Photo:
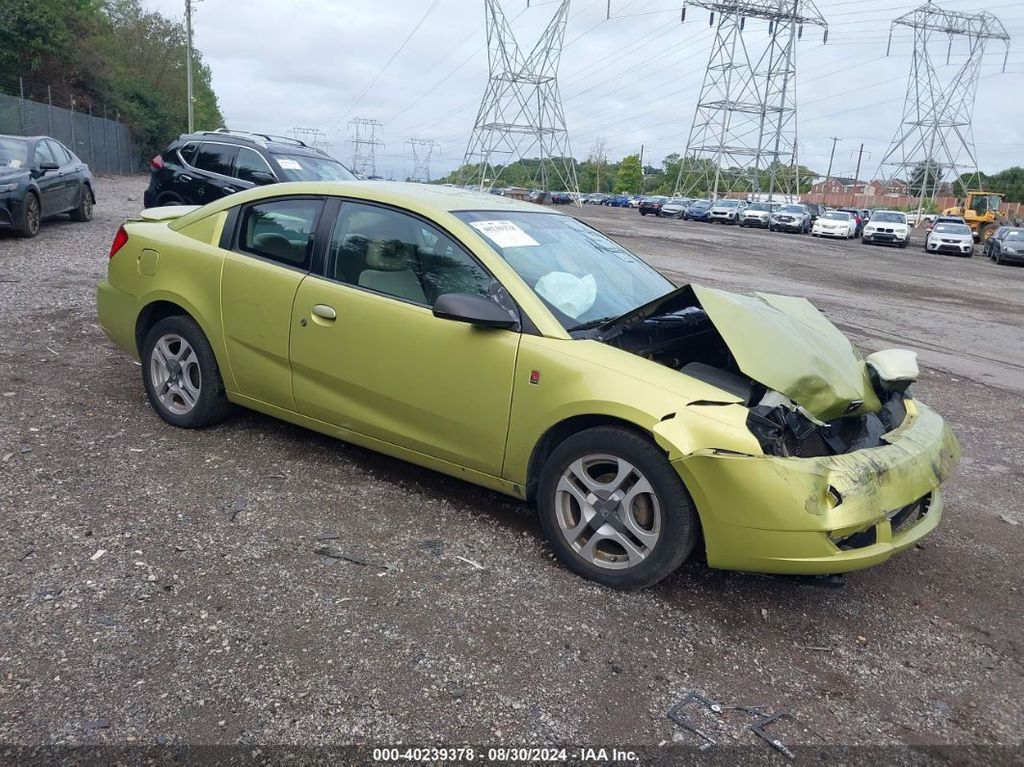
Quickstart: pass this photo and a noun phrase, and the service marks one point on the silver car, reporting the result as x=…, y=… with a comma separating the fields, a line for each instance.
x=727, y=211
x=675, y=207
x=950, y=238
x=758, y=214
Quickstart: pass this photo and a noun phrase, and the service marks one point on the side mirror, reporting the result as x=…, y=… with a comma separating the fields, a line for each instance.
x=473, y=309
x=261, y=178
x=45, y=166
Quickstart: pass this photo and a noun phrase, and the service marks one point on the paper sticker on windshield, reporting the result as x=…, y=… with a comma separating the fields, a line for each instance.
x=287, y=164
x=504, y=234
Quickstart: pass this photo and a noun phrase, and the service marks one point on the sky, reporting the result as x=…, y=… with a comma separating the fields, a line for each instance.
x=420, y=68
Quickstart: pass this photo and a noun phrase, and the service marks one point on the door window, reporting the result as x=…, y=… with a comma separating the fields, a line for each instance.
x=60, y=155
x=281, y=230
x=215, y=158
x=399, y=255
x=42, y=154
x=250, y=162
x=188, y=152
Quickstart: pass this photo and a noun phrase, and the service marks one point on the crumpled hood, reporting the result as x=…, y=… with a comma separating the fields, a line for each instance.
x=786, y=344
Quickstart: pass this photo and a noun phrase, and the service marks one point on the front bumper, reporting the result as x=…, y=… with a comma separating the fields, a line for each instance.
x=788, y=226
x=10, y=211
x=722, y=218
x=843, y=233
x=885, y=238
x=754, y=221
x=805, y=516
x=955, y=249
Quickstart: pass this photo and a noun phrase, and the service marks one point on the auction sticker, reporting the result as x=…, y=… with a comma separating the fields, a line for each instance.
x=504, y=234
x=288, y=164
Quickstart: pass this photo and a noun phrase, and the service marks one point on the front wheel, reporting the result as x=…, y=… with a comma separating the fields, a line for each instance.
x=31, y=216
x=181, y=376
x=614, y=510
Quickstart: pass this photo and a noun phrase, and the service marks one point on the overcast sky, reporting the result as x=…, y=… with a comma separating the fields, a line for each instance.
x=320, y=63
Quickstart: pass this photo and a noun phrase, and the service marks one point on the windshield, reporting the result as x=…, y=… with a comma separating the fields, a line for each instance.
x=837, y=215
x=760, y=206
x=889, y=218
x=580, y=274
x=952, y=229
x=300, y=167
x=727, y=203
x=13, y=153
x=793, y=209
x=1014, y=234
x=701, y=204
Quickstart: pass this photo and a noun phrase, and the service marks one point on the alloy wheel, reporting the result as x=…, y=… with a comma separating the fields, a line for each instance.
x=32, y=214
x=87, y=203
x=175, y=373
x=608, y=511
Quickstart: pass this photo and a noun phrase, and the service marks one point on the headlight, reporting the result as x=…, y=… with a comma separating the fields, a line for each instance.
x=7, y=188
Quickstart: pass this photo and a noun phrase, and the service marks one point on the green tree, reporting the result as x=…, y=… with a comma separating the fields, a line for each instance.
x=924, y=178
x=630, y=175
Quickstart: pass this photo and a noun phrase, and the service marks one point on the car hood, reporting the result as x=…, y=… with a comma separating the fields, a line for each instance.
x=7, y=175
x=781, y=342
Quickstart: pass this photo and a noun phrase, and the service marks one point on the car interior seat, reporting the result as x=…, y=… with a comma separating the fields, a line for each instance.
x=388, y=270
x=278, y=246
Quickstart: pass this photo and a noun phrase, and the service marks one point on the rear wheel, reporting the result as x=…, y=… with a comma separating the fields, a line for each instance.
x=31, y=216
x=84, y=210
x=181, y=376
x=614, y=510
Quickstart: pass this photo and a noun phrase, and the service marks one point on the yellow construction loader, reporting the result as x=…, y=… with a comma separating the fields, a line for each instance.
x=981, y=212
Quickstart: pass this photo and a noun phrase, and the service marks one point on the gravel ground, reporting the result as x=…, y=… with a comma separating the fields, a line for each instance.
x=162, y=586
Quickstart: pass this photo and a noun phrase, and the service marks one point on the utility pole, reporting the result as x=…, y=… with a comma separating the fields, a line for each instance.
x=188, y=60
x=521, y=111
x=745, y=122
x=828, y=174
x=935, y=131
x=856, y=173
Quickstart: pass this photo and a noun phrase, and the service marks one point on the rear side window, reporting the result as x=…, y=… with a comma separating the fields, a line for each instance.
x=188, y=152
x=281, y=230
x=215, y=158
x=60, y=155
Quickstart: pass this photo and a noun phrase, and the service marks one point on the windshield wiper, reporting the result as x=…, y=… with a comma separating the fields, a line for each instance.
x=590, y=325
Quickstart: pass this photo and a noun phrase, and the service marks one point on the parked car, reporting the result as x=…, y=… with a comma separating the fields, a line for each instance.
x=791, y=218
x=987, y=246
x=634, y=201
x=857, y=217
x=201, y=167
x=372, y=313
x=698, y=210
x=1007, y=245
x=540, y=197
x=758, y=214
x=595, y=198
x=674, y=207
x=887, y=227
x=727, y=211
x=814, y=210
x=651, y=205
x=618, y=201
x=946, y=237
x=41, y=178
x=835, y=223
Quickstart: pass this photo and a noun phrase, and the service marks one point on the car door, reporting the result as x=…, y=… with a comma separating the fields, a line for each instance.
x=49, y=181
x=368, y=354
x=270, y=248
x=70, y=183
x=214, y=162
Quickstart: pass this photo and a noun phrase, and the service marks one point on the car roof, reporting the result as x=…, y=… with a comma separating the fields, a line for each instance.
x=273, y=144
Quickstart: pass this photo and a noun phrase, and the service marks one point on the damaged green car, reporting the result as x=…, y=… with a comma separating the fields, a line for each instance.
x=519, y=349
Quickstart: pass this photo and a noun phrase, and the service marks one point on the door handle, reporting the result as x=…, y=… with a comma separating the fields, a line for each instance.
x=325, y=312
x=186, y=178
x=230, y=189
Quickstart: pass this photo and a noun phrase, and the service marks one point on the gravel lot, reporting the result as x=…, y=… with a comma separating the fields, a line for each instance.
x=211, y=619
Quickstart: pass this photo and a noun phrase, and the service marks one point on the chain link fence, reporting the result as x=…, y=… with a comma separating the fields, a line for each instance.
x=104, y=143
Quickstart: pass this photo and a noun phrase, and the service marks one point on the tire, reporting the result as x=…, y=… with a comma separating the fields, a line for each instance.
x=197, y=398
x=642, y=213
x=668, y=520
x=168, y=199
x=864, y=242
x=31, y=216
x=84, y=210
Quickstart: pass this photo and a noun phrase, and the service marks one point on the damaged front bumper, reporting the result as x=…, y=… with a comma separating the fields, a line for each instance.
x=823, y=515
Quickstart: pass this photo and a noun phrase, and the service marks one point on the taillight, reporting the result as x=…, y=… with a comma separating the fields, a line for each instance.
x=119, y=241
x=157, y=163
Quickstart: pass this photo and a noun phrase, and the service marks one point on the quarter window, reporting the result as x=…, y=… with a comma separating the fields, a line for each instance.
x=188, y=152
x=281, y=230
x=215, y=158
x=399, y=255
x=248, y=163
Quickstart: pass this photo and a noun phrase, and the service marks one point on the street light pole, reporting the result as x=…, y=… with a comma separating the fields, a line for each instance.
x=188, y=60
x=828, y=174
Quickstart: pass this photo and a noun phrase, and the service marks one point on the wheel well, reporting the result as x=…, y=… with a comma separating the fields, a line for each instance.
x=165, y=197
x=151, y=315
x=560, y=432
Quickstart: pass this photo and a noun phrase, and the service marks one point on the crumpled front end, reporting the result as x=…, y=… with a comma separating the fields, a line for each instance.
x=822, y=515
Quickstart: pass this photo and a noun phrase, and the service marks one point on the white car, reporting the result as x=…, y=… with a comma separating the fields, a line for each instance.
x=888, y=227
x=835, y=223
x=950, y=238
x=727, y=211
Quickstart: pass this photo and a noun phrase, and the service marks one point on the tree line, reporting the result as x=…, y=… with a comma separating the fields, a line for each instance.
x=112, y=53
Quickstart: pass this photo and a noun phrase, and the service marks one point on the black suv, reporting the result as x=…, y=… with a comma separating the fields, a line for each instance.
x=202, y=167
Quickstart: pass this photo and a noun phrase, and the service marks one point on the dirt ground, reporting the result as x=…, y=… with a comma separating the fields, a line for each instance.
x=162, y=586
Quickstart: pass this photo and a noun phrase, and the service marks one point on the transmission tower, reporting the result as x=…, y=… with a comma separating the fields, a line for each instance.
x=743, y=136
x=421, y=151
x=363, y=135
x=935, y=139
x=521, y=115
x=313, y=137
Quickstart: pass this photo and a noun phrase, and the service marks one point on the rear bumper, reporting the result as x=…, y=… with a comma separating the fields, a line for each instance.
x=816, y=516
x=118, y=311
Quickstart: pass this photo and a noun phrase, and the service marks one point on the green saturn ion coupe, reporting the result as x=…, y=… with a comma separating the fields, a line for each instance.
x=518, y=348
